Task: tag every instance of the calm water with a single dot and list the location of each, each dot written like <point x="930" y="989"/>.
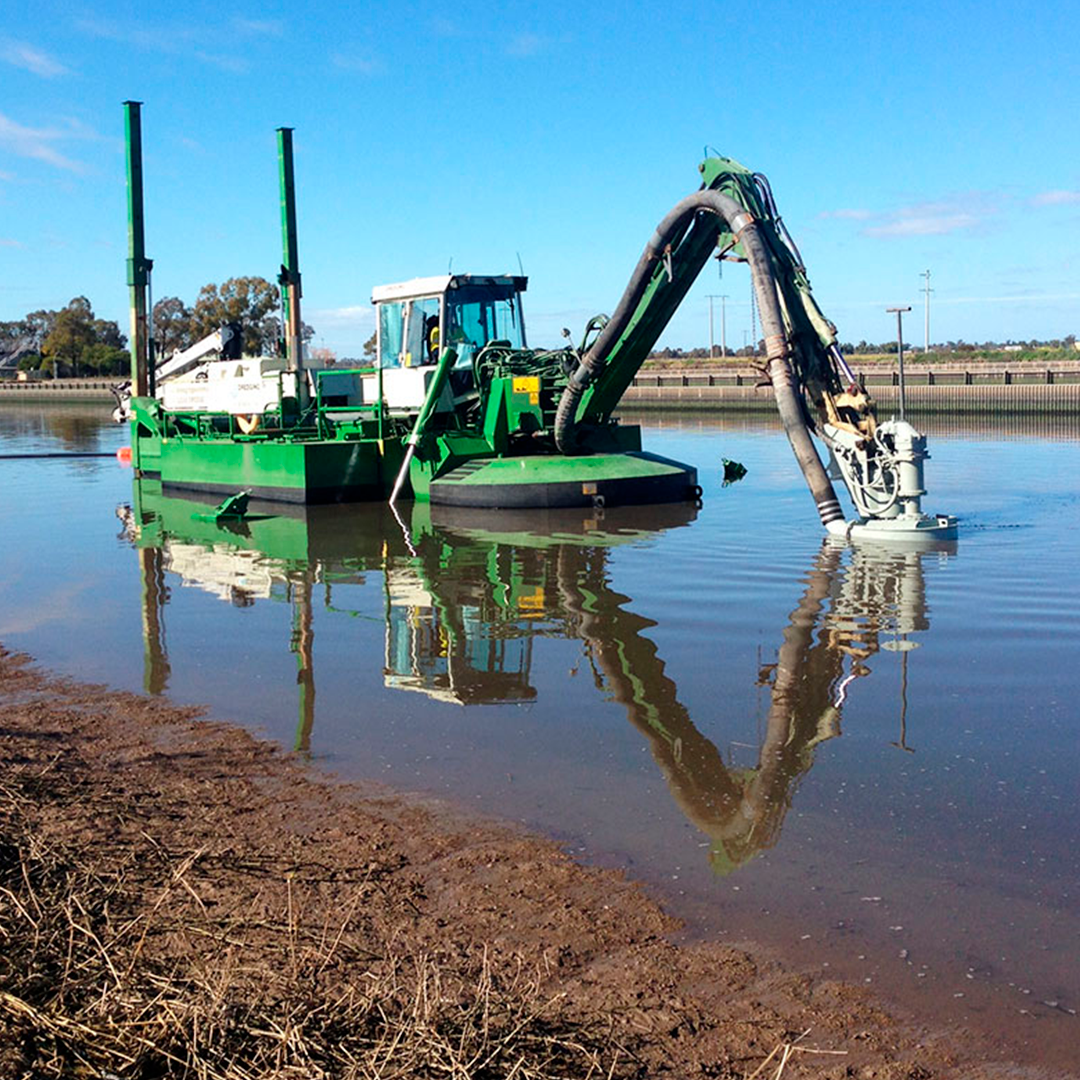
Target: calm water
<point x="866" y="758"/>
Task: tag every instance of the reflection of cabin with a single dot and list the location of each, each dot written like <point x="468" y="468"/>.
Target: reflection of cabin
<point x="14" y="351"/>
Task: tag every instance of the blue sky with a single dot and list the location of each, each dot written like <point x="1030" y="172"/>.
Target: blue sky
<point x="897" y="138"/>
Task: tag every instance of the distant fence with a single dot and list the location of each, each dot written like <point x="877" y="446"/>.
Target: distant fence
<point x="1012" y="388"/>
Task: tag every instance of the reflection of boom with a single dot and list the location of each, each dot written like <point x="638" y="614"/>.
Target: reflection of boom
<point x="842" y="613"/>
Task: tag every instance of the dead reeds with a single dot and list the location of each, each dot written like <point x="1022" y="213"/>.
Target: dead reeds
<point x="122" y="956"/>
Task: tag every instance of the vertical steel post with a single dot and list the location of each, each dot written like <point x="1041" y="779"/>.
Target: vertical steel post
<point x="900" y="350"/>
<point x="156" y="669"/>
<point x="138" y="265"/>
<point x="301" y="644"/>
<point x="289" y="278"/>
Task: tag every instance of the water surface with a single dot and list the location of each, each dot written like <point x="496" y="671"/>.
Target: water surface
<point x="867" y="758"/>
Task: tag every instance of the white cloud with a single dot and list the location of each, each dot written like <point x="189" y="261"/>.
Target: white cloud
<point x="176" y="41"/>
<point x="259" y="27"/>
<point x="910" y="222"/>
<point x="236" y="65"/>
<point x="962" y="213"/>
<point x="966" y="212"/>
<point x="341" y="318"/>
<point x="443" y="27"/>
<point x="362" y="63"/>
<point x="193" y="145"/>
<point x="1056" y="198"/>
<point x="847" y="214"/>
<point x="11" y="243"/>
<point x="1021" y="298"/>
<point x="527" y="45"/>
<point x="25" y="56"/>
<point x="39" y="143"/>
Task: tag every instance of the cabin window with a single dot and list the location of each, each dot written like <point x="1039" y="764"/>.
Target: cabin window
<point x="422" y="339"/>
<point x="391" y="334"/>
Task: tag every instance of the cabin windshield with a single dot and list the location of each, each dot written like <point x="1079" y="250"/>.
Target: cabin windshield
<point x="478" y="314"/>
<point x="391" y="334"/>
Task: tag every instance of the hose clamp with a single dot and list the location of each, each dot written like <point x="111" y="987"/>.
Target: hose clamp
<point x="776" y="347"/>
<point x="739" y="222"/>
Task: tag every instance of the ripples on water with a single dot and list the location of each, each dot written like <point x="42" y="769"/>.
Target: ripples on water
<point x="866" y="757"/>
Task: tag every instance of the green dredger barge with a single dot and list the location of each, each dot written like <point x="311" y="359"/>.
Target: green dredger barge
<point x="473" y="420"/>
<point x="459" y="410"/>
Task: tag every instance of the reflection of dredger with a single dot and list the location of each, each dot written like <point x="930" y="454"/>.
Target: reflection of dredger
<point x="461" y="615"/>
<point x="463" y="606"/>
<point x="452" y="651"/>
<point x="475" y="593"/>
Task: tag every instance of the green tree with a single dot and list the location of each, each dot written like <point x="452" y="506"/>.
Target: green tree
<point x="172" y="326"/>
<point x="369" y="347"/>
<point x="72" y="332"/>
<point x="105" y="359"/>
<point x="245" y="300"/>
<point x="78" y="340"/>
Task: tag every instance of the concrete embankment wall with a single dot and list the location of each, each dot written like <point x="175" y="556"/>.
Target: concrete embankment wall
<point x="58" y="390"/>
<point x="1016" y="389"/>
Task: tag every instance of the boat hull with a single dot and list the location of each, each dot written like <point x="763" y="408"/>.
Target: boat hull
<point x="552" y="480"/>
<point x="291" y="470"/>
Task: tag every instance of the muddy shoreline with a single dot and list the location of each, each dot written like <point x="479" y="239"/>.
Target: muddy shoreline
<point x="220" y="909"/>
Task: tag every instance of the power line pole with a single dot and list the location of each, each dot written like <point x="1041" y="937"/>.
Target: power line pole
<point x="723" y="324"/>
<point x="926" y="311"/>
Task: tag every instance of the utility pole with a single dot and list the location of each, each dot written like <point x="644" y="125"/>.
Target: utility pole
<point x="926" y="311"/>
<point x="900" y="348"/>
<point x="723" y="325"/>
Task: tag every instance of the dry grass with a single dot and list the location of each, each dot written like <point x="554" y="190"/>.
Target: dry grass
<point x="121" y="957"/>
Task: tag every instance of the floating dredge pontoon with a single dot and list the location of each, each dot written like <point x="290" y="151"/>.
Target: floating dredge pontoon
<point x="459" y="410"/>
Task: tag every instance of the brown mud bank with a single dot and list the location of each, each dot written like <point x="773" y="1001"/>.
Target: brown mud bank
<point x="178" y="898"/>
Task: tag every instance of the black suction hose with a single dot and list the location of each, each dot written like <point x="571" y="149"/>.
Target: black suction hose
<point x="745" y="230"/>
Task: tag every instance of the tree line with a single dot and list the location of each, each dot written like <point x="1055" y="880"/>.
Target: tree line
<point x="253" y="302"/>
<point x="866" y="348"/>
<point x="73" y="341"/>
<point x="69" y="341"/>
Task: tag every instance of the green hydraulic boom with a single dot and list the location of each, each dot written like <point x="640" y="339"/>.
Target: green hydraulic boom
<point x="815" y="358"/>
